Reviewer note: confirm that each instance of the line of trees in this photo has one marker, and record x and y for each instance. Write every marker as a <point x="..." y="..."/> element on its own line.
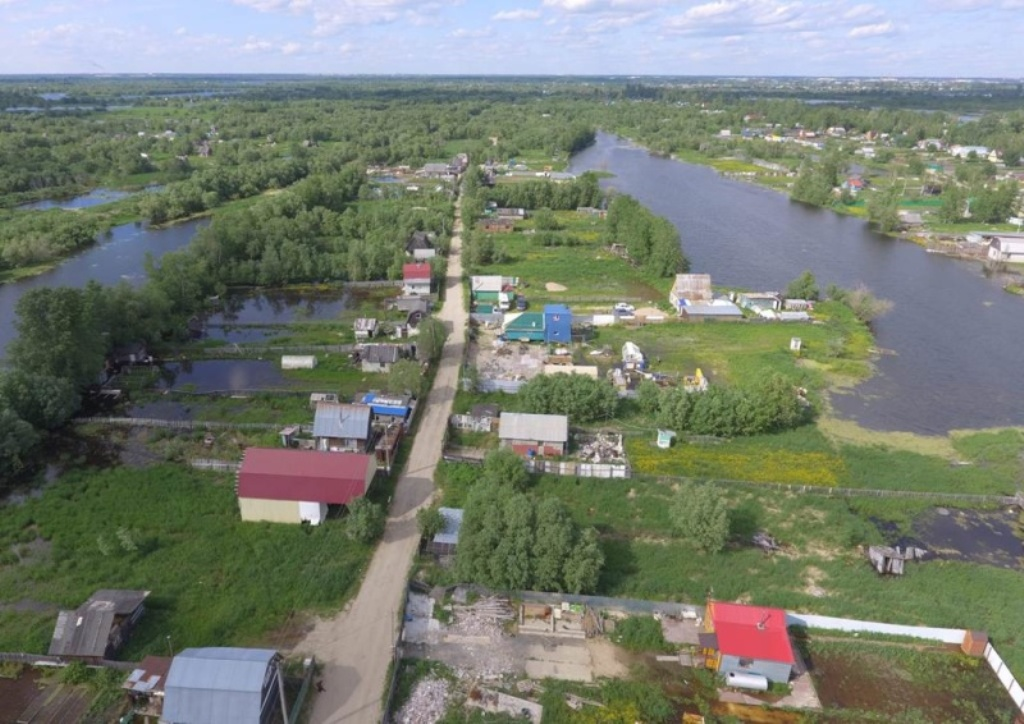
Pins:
<point x="582" y="398"/>
<point x="651" y="241"/>
<point x="769" y="405"/>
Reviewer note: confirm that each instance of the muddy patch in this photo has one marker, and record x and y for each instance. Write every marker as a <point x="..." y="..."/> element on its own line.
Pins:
<point x="919" y="685"/>
<point x="987" y="537"/>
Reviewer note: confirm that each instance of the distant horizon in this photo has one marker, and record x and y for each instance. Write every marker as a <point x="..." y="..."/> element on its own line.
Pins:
<point x="484" y="76"/>
<point x="900" y="39"/>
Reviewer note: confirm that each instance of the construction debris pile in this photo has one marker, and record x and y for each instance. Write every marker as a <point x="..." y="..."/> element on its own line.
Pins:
<point x="891" y="560"/>
<point x="486" y="617"/>
<point x="604" y="447"/>
<point x="427" y="704"/>
<point x="766" y="542"/>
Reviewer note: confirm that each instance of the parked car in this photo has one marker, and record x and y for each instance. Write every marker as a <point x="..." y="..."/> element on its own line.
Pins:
<point x="623" y="308"/>
<point x="521" y="303"/>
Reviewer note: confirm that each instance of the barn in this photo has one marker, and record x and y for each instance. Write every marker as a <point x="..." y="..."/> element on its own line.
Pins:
<point x="292" y="486"/>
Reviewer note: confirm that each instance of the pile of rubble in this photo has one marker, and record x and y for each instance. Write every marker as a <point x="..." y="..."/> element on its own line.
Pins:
<point x="605" y="447"/>
<point x="485" y="617"/>
<point x="427" y="704"/>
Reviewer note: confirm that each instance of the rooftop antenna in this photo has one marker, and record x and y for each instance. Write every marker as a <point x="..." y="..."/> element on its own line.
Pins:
<point x="763" y="623"/>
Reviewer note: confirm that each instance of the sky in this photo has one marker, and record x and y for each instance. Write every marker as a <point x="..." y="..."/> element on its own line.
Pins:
<point x="937" y="38"/>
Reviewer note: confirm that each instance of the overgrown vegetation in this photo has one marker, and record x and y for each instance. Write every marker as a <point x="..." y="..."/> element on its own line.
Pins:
<point x="177" y="533"/>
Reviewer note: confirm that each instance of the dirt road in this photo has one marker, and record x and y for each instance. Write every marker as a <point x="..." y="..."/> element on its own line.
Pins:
<point x="355" y="646"/>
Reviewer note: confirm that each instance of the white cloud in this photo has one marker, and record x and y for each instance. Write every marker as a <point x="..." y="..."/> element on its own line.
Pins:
<point x="874" y="30"/>
<point x="471" y="33"/>
<point x="291" y="48"/>
<point x="517" y="14"/>
<point x="732" y="16"/>
<point x="587" y="6"/>
<point x="859" y="12"/>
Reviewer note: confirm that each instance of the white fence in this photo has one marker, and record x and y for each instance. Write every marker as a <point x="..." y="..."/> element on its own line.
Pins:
<point x="224" y="466"/>
<point x="831" y="623"/>
<point x="945" y="635"/>
<point x="1005" y="676"/>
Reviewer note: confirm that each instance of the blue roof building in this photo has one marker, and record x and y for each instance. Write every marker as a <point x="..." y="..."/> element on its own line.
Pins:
<point x="557" y="324"/>
<point x="388" y="405"/>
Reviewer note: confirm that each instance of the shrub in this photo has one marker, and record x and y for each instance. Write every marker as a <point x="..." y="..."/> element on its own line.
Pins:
<point x="365" y="521"/>
<point x="640" y="633"/>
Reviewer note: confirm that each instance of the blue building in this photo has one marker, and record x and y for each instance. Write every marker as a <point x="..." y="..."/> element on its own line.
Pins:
<point x="557" y="323"/>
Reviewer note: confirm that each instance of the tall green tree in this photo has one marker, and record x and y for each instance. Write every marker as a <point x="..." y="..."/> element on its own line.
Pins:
<point x="700" y="517"/>
<point x="58" y="336"/>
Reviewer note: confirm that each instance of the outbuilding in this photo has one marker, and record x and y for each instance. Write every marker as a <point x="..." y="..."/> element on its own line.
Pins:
<point x="446" y="542"/>
<point x="292" y="486"/>
<point x="379" y="357"/>
<point x="529" y="434"/>
<point x="97" y="629"/>
<point x="740" y="639"/>
<point x="222" y="684"/>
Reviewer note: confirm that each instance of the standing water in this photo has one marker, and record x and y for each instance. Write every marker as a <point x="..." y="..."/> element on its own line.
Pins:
<point x="953" y="332"/>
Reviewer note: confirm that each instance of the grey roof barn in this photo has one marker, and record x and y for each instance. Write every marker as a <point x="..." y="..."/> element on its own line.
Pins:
<point x="219" y="685"/>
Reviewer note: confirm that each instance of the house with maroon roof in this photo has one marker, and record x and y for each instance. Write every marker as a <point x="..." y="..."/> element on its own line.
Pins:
<point x="740" y="639"/>
<point x="416" y="278"/>
<point x="282" y="485"/>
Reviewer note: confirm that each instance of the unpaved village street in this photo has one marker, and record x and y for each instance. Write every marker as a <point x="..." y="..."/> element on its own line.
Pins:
<point x="355" y="646"/>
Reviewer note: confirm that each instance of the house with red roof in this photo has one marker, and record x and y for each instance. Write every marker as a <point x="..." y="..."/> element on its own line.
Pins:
<point x="416" y="278"/>
<point x="744" y="639"/>
<point x="282" y="485"/>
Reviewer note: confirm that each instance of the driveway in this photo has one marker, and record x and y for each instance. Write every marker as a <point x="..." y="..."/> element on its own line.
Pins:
<point x="355" y="645"/>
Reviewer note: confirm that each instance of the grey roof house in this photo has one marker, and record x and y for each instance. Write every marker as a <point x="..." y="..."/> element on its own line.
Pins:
<point x="98" y="628"/>
<point x="379" y="357"/>
<point x="218" y="685"/>
<point x="342" y="427"/>
<point x="530" y="434"/>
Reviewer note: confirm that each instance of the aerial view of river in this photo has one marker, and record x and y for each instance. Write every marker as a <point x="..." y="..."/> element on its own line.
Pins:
<point x="952" y="332"/>
<point x="117" y="256"/>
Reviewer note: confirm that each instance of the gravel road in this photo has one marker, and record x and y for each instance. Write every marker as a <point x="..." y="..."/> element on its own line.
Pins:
<point x="355" y="645"/>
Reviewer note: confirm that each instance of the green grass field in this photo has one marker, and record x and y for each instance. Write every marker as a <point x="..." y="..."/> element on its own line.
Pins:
<point x="175" y="532"/>
<point x="821" y="569"/>
<point x="590" y="273"/>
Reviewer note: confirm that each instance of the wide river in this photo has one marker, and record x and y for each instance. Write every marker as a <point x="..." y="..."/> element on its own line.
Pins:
<point x="955" y="335"/>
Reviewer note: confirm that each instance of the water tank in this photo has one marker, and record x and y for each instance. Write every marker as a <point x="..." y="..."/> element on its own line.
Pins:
<point x="757" y="682"/>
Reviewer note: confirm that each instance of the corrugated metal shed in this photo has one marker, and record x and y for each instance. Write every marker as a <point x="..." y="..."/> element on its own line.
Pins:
<point x="342" y="420"/>
<point x="526" y="426"/>
<point x="217" y="685"/>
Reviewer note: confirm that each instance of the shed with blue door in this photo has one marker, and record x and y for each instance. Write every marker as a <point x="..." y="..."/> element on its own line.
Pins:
<point x="557" y="323"/>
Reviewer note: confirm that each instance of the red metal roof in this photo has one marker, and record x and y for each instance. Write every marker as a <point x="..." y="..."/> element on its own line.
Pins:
<point x="751" y="632"/>
<point x="416" y="271"/>
<point x="303" y="475"/>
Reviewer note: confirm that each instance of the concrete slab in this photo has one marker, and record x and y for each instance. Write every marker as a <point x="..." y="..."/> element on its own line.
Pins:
<point x="559" y="670"/>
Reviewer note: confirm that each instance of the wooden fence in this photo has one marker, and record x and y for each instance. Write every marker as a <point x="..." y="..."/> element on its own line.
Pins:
<point x="581" y="470"/>
<point x="228" y="351"/>
<point x="184" y="424"/>
<point x="220" y="466"/>
<point x="859" y="492"/>
<point x="473" y="424"/>
<point x="47" y="660"/>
